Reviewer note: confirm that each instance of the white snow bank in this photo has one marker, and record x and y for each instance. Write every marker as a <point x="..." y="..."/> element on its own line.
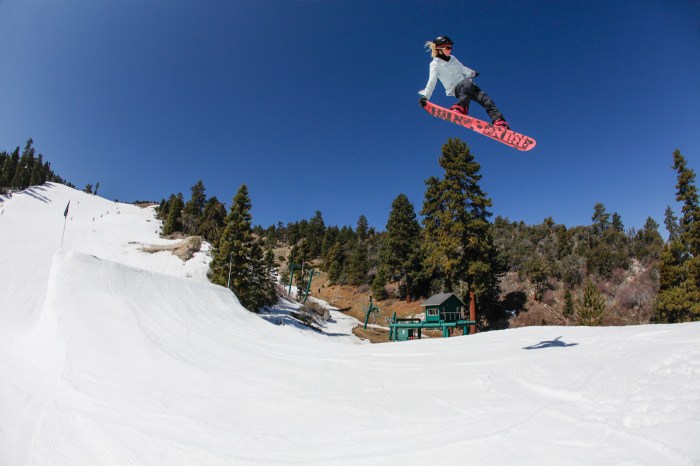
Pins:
<point x="31" y="226"/>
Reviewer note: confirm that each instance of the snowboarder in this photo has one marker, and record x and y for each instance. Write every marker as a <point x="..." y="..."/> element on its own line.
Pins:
<point x="458" y="81"/>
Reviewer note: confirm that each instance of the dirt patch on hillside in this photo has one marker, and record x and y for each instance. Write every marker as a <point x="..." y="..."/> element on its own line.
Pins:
<point x="373" y="334"/>
<point x="184" y="249"/>
<point x="145" y="204"/>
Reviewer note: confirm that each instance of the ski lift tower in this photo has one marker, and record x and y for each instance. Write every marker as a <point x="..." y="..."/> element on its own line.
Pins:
<point x="369" y="310"/>
<point x="312" y="274"/>
<point x="292" y="268"/>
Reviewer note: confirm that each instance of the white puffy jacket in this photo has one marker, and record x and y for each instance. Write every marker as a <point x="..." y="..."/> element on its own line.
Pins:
<point x="450" y="73"/>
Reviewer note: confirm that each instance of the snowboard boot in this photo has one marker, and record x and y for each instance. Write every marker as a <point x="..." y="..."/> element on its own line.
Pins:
<point x="458" y="109"/>
<point x="501" y="123"/>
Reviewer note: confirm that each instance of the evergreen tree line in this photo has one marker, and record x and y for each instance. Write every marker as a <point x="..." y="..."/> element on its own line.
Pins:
<point x="20" y="171"/>
<point x="454" y="247"/>
<point x="548" y="250"/>
<point x="600" y="250"/>
<point x="347" y="254"/>
<point x="549" y="255"/>
<point x="198" y="216"/>
<point x="240" y="260"/>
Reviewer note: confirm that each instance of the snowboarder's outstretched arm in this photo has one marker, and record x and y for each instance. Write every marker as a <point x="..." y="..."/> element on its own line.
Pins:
<point x="432" y="81"/>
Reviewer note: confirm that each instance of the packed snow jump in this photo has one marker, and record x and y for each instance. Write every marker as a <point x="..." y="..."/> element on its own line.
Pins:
<point x="459" y="82"/>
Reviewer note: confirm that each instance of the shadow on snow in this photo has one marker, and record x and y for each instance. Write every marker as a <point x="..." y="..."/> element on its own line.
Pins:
<point x="550" y="344"/>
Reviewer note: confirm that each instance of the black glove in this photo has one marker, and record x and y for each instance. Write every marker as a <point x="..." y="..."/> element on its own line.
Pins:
<point x="476" y="73"/>
<point x="423" y="101"/>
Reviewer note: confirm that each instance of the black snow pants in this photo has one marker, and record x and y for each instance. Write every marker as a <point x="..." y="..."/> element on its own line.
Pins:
<point x="467" y="91"/>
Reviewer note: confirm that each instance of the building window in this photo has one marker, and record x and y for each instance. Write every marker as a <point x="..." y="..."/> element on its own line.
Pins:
<point x="432" y="312"/>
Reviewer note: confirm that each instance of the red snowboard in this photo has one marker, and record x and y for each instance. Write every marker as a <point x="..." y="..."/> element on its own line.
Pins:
<point x="505" y="136"/>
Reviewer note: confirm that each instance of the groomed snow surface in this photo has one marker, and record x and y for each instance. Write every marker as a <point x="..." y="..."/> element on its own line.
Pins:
<point x="113" y="356"/>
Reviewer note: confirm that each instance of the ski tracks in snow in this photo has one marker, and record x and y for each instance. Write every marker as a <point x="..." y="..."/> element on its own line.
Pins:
<point x="600" y="402"/>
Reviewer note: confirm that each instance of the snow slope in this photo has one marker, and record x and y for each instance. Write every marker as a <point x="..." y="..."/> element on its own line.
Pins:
<point x="109" y="355"/>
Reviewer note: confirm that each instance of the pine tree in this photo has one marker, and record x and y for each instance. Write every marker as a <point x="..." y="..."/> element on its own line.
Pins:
<point x="617" y="223"/>
<point x="212" y="220"/>
<point x="648" y="243"/>
<point x="4" y="158"/>
<point x="260" y="291"/>
<point x="37" y="177"/>
<point x="679" y="270"/>
<point x="193" y="211"/>
<point x="257" y="283"/>
<point x="48" y="175"/>
<point x="687" y="194"/>
<point x="294" y="233"/>
<point x="679" y="297"/>
<point x="23" y="173"/>
<point x="280" y="234"/>
<point x="362" y="228"/>
<point x="314" y="236"/>
<point x="601" y="219"/>
<point x="237" y="256"/>
<point x="591" y="306"/>
<point x="379" y="285"/>
<point x="270" y="266"/>
<point x="310" y="228"/>
<point x="301" y="281"/>
<point x="607" y="250"/>
<point x="336" y="259"/>
<point x="456" y="235"/>
<point x="358" y="267"/>
<point x="330" y="237"/>
<point x="161" y="210"/>
<point x="568" y="303"/>
<point x="347" y="236"/>
<point x="441" y="245"/>
<point x="173" y="222"/>
<point x="270" y="273"/>
<point x="9" y="169"/>
<point x="538" y="272"/>
<point x="671" y="224"/>
<point x="299" y="255"/>
<point x="400" y="251"/>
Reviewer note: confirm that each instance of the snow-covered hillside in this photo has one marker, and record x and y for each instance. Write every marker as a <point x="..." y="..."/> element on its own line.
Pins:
<point x="111" y="355"/>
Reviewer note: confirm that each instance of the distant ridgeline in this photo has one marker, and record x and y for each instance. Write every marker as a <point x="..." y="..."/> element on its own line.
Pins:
<point x="25" y="170"/>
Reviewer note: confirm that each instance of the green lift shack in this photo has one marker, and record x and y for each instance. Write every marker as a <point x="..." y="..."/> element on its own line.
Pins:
<point x="442" y="311"/>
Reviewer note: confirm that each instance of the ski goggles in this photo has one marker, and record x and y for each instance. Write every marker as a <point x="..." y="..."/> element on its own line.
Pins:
<point x="448" y="47"/>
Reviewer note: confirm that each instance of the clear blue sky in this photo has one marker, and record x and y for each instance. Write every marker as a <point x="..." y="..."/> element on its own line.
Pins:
<point x="314" y="104"/>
